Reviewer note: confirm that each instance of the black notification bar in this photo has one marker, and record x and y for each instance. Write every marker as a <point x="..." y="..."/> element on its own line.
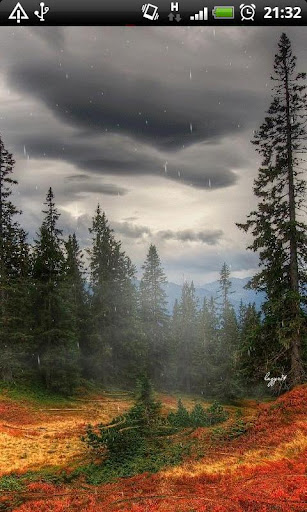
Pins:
<point x="155" y="13"/>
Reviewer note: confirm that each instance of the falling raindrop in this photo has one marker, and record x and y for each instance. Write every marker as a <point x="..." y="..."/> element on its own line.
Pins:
<point x="165" y="167"/>
<point x="38" y="360"/>
<point x="190" y="74"/>
<point x="67" y="76"/>
<point x="209" y="183"/>
<point x="191" y="127"/>
<point x="179" y="174"/>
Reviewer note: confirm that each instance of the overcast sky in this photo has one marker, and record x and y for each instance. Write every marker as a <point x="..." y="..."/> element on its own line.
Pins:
<point x="153" y="123"/>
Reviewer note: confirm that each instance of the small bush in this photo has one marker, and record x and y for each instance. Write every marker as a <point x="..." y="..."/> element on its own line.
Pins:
<point x="199" y="417"/>
<point x="181" y="417"/>
<point x="10" y="483"/>
<point x="216" y="413"/>
<point x="126" y="436"/>
<point x="237" y="429"/>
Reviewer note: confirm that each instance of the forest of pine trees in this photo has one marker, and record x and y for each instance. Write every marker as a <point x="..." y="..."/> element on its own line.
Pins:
<point x="61" y="329"/>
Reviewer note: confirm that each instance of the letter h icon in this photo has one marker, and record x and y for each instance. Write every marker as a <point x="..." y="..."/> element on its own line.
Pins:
<point x="175" y="6"/>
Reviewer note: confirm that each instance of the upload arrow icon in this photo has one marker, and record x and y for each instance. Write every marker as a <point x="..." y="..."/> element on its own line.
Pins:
<point x="18" y="13"/>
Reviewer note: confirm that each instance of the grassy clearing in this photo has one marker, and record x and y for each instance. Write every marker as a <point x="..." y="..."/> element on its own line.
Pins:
<point x="41" y="447"/>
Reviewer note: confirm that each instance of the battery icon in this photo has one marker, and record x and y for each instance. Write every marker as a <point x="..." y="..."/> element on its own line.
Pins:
<point x="223" y="12"/>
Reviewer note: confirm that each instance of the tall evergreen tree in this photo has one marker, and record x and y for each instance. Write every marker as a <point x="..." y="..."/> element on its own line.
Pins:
<point x="114" y="335"/>
<point x="14" y="273"/>
<point x="57" y="351"/>
<point x="187" y="348"/>
<point x="250" y="363"/>
<point x="208" y="359"/>
<point x="154" y="314"/>
<point x="228" y="338"/>
<point x="75" y="282"/>
<point x="279" y="235"/>
<point x="174" y="334"/>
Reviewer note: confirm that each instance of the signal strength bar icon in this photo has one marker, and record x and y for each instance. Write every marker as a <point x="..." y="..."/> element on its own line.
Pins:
<point x="201" y="15"/>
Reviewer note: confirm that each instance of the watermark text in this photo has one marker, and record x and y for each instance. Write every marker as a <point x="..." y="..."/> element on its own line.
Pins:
<point x="272" y="380"/>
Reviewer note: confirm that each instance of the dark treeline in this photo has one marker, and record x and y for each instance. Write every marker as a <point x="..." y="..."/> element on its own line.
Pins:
<point x="63" y="328"/>
<point x="58" y="326"/>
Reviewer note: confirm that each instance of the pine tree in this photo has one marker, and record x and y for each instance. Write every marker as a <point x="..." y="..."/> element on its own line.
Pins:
<point x="75" y="283"/>
<point x="14" y="272"/>
<point x="114" y="333"/>
<point x="250" y="361"/>
<point x="279" y="235"/>
<point x="209" y="337"/>
<point x="187" y="348"/>
<point x="154" y="314"/>
<point x="57" y="351"/>
<point x="174" y="334"/>
<point x="228" y="339"/>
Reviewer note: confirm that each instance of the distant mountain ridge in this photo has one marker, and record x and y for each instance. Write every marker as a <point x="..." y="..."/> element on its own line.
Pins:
<point x="237" y="292"/>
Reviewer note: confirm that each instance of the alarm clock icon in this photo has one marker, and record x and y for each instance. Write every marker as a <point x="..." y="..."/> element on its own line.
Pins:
<point x="247" y="12"/>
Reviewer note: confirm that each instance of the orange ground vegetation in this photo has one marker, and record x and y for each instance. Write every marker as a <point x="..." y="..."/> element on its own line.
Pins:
<point x="264" y="470"/>
<point x="34" y="436"/>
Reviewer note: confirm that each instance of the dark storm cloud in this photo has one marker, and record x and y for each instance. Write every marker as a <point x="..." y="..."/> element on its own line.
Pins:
<point x="161" y="95"/>
<point x="209" y="237"/>
<point x="75" y="187"/>
<point x="100" y="111"/>
<point x="119" y="155"/>
<point x="129" y="230"/>
<point x="165" y="116"/>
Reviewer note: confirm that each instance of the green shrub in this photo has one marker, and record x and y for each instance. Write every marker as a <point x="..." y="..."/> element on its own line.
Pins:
<point x="199" y="417"/>
<point x="10" y="483"/>
<point x="216" y="413"/>
<point x="236" y="429"/>
<point x="181" y="417"/>
<point x="126" y="435"/>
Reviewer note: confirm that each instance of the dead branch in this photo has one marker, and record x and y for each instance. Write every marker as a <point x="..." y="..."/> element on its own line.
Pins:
<point x="63" y="410"/>
<point x="112" y="426"/>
